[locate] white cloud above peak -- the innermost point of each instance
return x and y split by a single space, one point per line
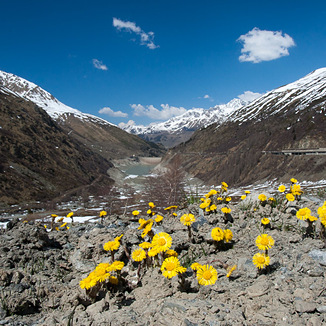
261 45
167 111
249 96
99 64
116 114
128 26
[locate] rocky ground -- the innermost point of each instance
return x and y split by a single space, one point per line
40 272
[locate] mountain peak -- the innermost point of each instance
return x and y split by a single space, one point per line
30 91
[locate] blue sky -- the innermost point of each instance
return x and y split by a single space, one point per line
149 60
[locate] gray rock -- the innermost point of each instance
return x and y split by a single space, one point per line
304 306
319 256
321 309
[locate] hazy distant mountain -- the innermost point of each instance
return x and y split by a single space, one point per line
238 150
179 129
98 134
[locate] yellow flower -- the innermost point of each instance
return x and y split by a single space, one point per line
281 188
289 197
162 241
211 193
323 220
247 192
264 242
181 270
271 199
60 220
219 198
149 212
159 218
207 275
111 245
175 214
205 203
70 214
170 207
135 213
224 184
322 211
116 266
243 197
171 253
262 197
63 225
54 215
230 270
187 219
138 255
45 226
103 213
195 266
153 252
143 223
151 205
145 245
312 218
147 228
213 207
226 210
265 221
118 238
296 190
294 180
260 260
113 280
217 234
303 213
170 267
57 228
228 235
228 199
85 283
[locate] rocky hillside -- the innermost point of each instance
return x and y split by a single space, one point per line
239 150
38 160
179 129
97 134
41 271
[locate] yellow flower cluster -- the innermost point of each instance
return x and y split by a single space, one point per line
113 245
219 235
322 214
214 198
263 242
101 273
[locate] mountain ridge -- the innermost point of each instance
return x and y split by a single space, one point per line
292 116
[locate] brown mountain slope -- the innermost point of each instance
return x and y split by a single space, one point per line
38 160
107 140
233 152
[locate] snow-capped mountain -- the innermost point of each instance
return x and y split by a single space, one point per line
97 134
30 91
180 128
292 97
249 145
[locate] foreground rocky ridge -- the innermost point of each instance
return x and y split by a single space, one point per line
40 273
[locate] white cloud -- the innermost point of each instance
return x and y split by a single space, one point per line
99 65
145 38
130 123
249 96
111 113
150 111
260 45
206 96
